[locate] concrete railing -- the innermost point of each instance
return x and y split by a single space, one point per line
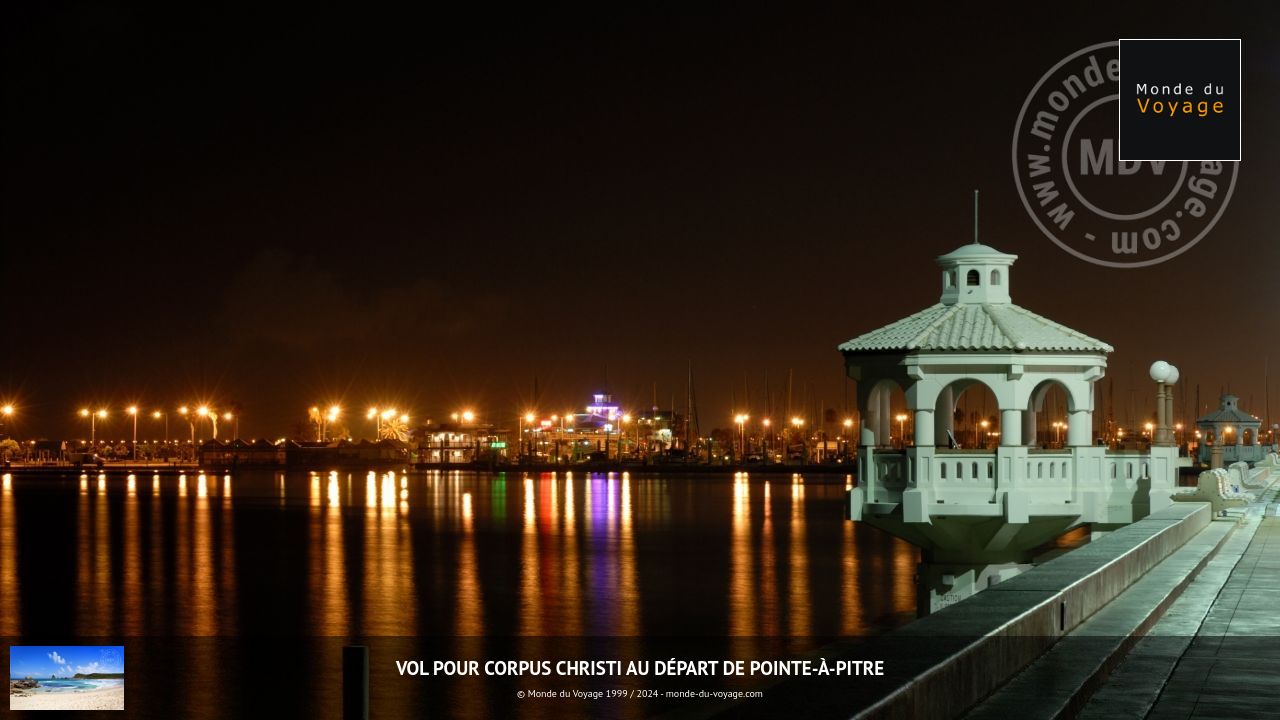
958 655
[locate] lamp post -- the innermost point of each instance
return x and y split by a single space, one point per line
798 423
984 425
902 428
133 412
741 420
523 421
379 416
186 414
6 412
560 434
159 414
846 434
768 439
1166 376
623 421
235 423
331 417
204 412
93 422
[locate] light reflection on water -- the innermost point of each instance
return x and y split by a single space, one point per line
10 596
463 554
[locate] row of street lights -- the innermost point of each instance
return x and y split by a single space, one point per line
381 417
202 412
741 419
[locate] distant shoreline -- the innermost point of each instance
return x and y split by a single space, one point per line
653 469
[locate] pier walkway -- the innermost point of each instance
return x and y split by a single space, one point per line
1216 652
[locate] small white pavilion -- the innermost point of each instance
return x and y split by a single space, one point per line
1231 431
975 512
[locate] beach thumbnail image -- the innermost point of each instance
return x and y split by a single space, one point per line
66 677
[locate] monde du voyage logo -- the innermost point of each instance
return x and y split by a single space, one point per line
1072 182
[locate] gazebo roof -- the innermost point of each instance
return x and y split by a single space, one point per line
976 251
1230 415
969 327
1229 411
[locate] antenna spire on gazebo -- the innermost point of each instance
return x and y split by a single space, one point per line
975 216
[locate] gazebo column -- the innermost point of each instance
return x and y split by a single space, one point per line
1010 428
884 433
1029 426
924 427
1079 428
942 420
869 411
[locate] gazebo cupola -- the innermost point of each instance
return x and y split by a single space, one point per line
977 274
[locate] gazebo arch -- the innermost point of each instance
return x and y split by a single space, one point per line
875 406
946 401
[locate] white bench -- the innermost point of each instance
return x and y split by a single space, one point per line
1219 489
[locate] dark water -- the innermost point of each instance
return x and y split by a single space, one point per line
236 593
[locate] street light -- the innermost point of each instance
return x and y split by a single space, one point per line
204 412
93 422
902 428
185 413
133 411
378 416
526 419
797 422
330 417
235 424
468 416
984 425
741 420
623 420
159 414
315 417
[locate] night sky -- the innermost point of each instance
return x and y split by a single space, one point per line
283 208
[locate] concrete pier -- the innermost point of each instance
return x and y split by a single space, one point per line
1171 616
1216 653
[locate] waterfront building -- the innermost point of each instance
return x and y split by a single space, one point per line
241 452
978 513
460 442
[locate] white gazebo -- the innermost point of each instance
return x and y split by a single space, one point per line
977 513
1234 433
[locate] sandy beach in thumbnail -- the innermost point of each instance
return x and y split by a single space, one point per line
107 698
